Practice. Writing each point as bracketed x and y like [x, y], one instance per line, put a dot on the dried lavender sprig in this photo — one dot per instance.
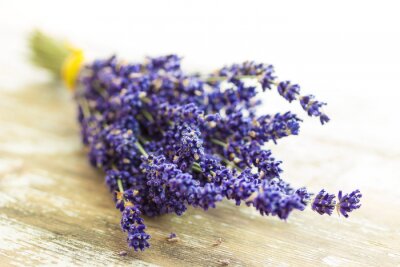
[131, 221]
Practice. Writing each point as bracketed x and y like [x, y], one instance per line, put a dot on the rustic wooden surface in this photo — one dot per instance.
[55, 209]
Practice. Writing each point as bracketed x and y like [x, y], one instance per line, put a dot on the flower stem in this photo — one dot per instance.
[85, 107]
[147, 115]
[141, 149]
[120, 187]
[196, 164]
[229, 163]
[213, 79]
[143, 139]
[218, 142]
[48, 53]
[195, 168]
[223, 78]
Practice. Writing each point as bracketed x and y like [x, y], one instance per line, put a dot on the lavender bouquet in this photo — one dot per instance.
[167, 139]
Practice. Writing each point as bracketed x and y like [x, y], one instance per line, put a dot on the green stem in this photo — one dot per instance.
[196, 164]
[229, 163]
[147, 115]
[85, 107]
[120, 187]
[143, 139]
[218, 142]
[223, 78]
[195, 168]
[101, 91]
[141, 149]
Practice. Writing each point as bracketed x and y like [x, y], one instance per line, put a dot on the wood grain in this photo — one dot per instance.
[55, 209]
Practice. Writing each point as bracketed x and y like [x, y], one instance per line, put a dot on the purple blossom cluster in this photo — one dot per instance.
[167, 140]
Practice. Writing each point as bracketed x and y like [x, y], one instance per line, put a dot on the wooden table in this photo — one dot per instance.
[55, 208]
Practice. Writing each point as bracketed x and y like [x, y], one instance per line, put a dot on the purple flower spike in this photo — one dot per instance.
[324, 203]
[169, 63]
[137, 238]
[288, 91]
[304, 195]
[133, 224]
[314, 107]
[349, 202]
[273, 200]
[277, 126]
[264, 72]
[324, 118]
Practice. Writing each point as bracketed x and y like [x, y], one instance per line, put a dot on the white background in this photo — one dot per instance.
[344, 52]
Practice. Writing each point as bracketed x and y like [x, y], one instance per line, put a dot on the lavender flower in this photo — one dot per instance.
[288, 91]
[240, 188]
[267, 166]
[132, 223]
[263, 72]
[169, 63]
[349, 202]
[273, 199]
[304, 195]
[324, 203]
[313, 107]
[183, 144]
[277, 126]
